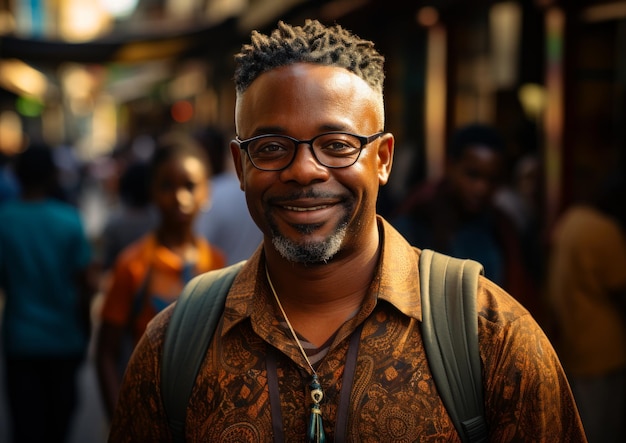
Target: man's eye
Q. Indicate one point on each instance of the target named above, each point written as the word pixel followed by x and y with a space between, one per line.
pixel 339 147
pixel 270 147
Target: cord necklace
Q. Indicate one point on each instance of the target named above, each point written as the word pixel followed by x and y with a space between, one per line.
pixel 315 432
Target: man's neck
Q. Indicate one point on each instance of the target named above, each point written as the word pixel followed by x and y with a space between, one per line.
pixel 318 299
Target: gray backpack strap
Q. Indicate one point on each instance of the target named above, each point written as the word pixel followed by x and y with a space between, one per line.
pixel 194 320
pixel 450 332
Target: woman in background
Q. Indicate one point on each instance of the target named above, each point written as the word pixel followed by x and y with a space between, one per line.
pixel 150 273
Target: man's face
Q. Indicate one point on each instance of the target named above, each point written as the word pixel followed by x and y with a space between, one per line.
pixel 474 177
pixel 308 211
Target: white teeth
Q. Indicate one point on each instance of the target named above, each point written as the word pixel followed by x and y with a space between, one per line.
pixel 300 209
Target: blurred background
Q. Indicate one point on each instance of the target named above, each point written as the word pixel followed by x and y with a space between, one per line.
pixel 94 75
pixel 95 78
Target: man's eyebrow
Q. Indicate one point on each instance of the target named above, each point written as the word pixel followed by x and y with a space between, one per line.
pixel 280 130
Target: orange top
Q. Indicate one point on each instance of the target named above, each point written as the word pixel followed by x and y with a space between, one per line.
pixel 163 274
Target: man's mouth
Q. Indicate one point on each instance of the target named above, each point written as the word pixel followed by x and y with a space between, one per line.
pixel 305 209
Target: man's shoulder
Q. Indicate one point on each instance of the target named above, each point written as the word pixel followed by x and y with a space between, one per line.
pixel 497 307
pixel 157 327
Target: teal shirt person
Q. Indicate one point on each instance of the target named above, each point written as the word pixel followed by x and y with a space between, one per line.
pixel 42 247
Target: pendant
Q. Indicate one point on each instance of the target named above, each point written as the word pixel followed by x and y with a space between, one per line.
pixel 316 428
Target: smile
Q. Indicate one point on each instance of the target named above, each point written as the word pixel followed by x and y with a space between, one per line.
pixel 301 209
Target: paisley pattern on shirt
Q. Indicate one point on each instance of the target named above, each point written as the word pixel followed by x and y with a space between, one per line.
pixel 393 397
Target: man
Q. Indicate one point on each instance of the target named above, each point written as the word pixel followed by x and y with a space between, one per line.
pixel 46 275
pixel 331 277
pixel 456 215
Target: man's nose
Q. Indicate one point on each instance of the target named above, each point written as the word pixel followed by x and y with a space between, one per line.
pixel 305 167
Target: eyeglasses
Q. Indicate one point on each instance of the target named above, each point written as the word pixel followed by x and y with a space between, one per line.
pixel 272 152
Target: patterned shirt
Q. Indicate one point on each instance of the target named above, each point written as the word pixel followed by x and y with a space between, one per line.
pixel 393 396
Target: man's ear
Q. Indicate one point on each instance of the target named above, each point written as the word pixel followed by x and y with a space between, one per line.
pixel 385 157
pixel 237 159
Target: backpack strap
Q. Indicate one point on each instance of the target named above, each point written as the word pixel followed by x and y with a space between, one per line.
pixel 450 332
pixel 194 320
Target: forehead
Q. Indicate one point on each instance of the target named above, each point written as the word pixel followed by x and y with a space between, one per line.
pixel 180 163
pixel 308 95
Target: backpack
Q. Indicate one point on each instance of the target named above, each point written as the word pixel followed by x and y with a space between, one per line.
pixel 449 328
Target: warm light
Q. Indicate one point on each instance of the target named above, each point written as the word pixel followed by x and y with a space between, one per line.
pixel 182 111
pixel 76 81
pixel 7 23
pixel 427 16
pixel 82 19
pixel 11 139
pixel 104 127
pixel 435 101
pixel 20 78
pixel 533 99
pixel 505 26
pixel 78 87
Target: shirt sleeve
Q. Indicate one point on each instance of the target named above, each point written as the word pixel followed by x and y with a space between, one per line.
pixel 118 297
pixel 528 397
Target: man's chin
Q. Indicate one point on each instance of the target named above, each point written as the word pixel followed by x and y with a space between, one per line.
pixel 310 251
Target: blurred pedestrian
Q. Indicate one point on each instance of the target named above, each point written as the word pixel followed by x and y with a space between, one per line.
pixel 226 222
pixel 134 216
pixel 45 260
pixel 587 289
pixel 456 215
pixel 149 274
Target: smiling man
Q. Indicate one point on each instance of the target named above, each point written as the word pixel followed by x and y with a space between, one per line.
pixel 320 338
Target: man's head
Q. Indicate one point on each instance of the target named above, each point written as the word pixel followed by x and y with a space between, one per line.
pixel 318 198
pixel 311 43
pixel 36 171
pixel 475 166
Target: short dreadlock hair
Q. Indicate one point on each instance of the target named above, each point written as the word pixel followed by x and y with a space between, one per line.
pixel 311 43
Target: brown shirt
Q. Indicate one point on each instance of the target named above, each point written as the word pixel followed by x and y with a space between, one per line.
pixel 393 396
pixel 587 269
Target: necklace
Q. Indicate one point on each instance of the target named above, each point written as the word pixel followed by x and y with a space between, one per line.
pixel 315 432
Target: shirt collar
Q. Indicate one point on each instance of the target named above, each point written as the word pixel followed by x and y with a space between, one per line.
pixel 395 282
pixel 398 272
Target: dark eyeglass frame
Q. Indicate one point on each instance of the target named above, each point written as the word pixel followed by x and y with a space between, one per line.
pixel 363 139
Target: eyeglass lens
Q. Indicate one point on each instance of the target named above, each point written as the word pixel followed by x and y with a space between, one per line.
pixel 275 152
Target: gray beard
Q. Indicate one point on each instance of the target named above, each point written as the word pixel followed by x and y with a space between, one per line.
pixel 310 253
